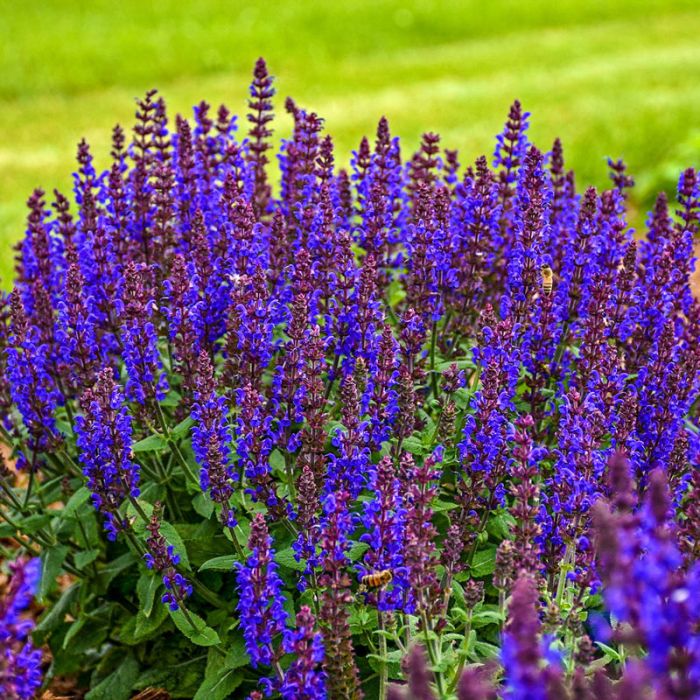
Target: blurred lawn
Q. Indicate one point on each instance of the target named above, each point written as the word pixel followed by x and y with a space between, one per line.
pixel 611 77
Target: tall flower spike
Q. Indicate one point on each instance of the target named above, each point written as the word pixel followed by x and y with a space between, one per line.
pixel 260 601
pixel 339 665
pixel 31 386
pixel 20 662
pixel 161 557
pixel 146 380
pixel 211 438
pixel 260 116
pixel 521 654
pixel 383 518
pixel 304 679
pixel 103 437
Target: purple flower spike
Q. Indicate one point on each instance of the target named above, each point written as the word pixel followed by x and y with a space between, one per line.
pixel 260 602
pixel 20 662
pixel 103 436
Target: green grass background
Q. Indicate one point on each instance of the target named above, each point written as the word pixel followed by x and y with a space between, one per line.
pixel 611 77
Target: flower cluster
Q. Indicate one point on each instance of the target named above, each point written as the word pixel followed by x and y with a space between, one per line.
pixel 452 410
pixel 20 661
pixel 161 557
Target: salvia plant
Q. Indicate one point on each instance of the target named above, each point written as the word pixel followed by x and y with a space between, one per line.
pixel 403 430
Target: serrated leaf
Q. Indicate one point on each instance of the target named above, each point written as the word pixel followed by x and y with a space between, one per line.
pixel 82 495
pixel 182 428
pixel 484 562
pixel 116 566
pixel 82 559
pixel 277 461
pixel 286 558
pixel 203 505
pixel 140 628
pixel 172 399
pixel 223 563
pixel 51 565
pixel 146 588
pixel 440 506
pixel 152 443
pixel 357 550
pixel 73 630
pixel 486 617
pixel 415 446
pixel 203 635
pixel 34 523
pixel 237 656
pixel 484 650
pixel 57 613
pixel 219 685
pixel 118 685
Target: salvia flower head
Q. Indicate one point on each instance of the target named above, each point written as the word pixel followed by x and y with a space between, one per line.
pixel 260 601
pixel 20 661
pixel 161 557
pixel 103 436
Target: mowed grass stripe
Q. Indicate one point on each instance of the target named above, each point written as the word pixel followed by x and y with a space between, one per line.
pixel 624 84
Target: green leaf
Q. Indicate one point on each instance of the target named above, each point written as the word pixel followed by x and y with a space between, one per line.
pixel 144 626
pixel 415 446
pixel 440 506
pixel 115 567
pixel 395 293
pixel 182 427
pixel 172 399
pixel 146 588
pixel 82 559
pixel 150 444
pixel 277 461
pixel 500 525
pixel 219 684
pixel 237 656
pixel 34 523
pixel 51 565
pixel 484 562
pixel 357 550
pixel 82 495
pixel 56 614
pixel 118 685
pixel 484 650
pixel 224 563
pixel 482 618
pixel 203 635
pixel 203 505
pixel 286 558
pixel 73 630
pixel 609 652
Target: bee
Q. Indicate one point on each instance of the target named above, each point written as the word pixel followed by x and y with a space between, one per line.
pixel 377 579
pixel 547 279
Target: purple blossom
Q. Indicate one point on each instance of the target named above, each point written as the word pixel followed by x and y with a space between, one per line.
pixel 260 598
pixel 20 661
pixel 211 439
pixel 161 557
pixel 304 680
pixel 103 437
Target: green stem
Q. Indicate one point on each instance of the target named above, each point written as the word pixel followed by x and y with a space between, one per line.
pixel 28 492
pixel 383 668
pixel 9 491
pixel 433 347
pixel 465 649
pixel 563 571
pixel 433 656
